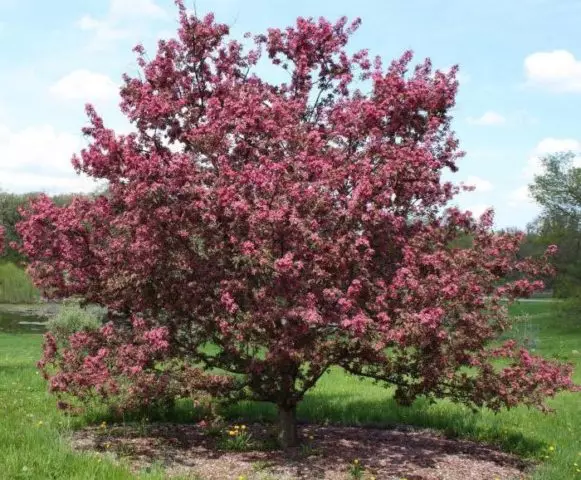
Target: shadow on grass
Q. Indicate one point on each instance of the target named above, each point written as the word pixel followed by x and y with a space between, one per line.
pixel 339 400
pixel 388 452
pixel 453 421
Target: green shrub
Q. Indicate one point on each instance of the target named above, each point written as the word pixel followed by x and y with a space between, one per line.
pixel 16 286
pixel 73 318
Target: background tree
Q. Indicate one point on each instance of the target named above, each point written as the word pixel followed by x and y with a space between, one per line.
pixel 9 217
pixel 292 226
pixel 558 191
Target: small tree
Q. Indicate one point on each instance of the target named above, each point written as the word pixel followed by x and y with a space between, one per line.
pixel 293 226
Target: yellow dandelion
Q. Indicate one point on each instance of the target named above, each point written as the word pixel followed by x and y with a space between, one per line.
pixel 356 461
pixel 552 448
pixel 243 427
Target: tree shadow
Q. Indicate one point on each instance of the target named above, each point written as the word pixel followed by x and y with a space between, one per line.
pixel 347 409
pixel 331 449
pixel 452 421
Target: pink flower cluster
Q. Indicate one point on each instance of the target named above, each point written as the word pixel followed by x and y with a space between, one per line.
pixel 529 379
pixel 120 366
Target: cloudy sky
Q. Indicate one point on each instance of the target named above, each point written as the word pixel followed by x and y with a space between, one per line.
pixel 519 99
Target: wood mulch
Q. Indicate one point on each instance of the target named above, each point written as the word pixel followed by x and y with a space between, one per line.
pixel 328 452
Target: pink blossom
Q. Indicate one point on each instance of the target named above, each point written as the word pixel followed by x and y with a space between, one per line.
pixel 229 302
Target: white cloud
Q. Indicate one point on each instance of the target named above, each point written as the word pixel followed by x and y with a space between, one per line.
pixel 480 184
pixel 85 85
pixel 478 209
pixel 557 70
pixel 545 147
pixel 104 31
pixel 488 119
pixel 554 145
pixel 24 182
pixel 39 158
pixel 520 197
pixel 37 147
pixel 120 20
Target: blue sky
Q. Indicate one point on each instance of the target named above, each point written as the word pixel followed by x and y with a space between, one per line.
pixel 519 99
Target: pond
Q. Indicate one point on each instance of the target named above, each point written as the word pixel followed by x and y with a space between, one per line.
pixel 24 318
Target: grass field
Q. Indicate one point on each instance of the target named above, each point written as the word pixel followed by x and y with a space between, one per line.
pixel 33 435
pixel 15 285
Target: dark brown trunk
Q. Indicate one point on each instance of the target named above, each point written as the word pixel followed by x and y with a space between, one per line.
pixel 287 424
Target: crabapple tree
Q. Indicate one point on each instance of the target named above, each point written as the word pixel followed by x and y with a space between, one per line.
pixel 292 226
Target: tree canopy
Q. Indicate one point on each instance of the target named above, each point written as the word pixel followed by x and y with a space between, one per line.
pixel 290 226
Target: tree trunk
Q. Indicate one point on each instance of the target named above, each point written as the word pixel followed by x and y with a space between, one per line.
pixel 287 424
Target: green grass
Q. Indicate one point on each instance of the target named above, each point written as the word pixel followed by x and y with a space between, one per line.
pixel 33 435
pixel 15 285
pixel 33 450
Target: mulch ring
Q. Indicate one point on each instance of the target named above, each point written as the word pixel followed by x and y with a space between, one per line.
pixel 328 452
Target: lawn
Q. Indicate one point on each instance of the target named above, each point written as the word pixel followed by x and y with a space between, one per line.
pixel 33 435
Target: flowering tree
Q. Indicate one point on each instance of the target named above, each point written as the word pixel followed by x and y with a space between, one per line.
pixel 294 226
